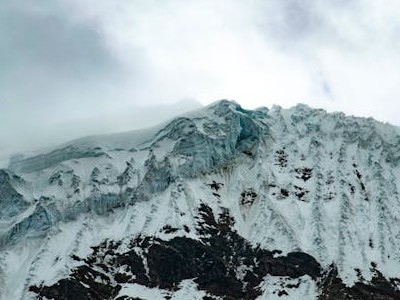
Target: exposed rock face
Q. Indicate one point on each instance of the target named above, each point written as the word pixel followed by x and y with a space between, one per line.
pixel 332 288
pixel 312 197
pixel 222 263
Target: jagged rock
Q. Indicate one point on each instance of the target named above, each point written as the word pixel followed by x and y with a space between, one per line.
pixel 302 186
pixel 213 262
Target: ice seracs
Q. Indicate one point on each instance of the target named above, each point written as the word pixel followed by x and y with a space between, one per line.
pixel 293 180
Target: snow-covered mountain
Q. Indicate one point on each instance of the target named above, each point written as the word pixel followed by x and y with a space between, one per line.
pixel 220 203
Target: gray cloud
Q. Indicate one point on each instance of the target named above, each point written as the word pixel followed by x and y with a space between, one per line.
pixel 74 62
pixel 43 52
pixel 294 21
pixel 55 69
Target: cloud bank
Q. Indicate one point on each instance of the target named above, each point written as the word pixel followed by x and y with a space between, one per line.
pixel 71 62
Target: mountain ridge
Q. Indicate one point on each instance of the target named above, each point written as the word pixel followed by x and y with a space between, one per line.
pixel 293 180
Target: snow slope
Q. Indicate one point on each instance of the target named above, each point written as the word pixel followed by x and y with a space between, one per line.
pixel 296 179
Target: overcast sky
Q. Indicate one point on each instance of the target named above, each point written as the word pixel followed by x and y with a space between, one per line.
pixel 77 67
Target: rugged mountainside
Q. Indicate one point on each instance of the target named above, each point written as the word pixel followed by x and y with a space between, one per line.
pixel 221 203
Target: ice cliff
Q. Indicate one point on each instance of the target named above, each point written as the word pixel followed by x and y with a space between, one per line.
pixel 296 180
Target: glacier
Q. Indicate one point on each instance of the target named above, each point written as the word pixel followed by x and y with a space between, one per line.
pixel 294 180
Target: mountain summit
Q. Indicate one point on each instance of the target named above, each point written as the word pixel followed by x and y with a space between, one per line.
pixel 219 203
